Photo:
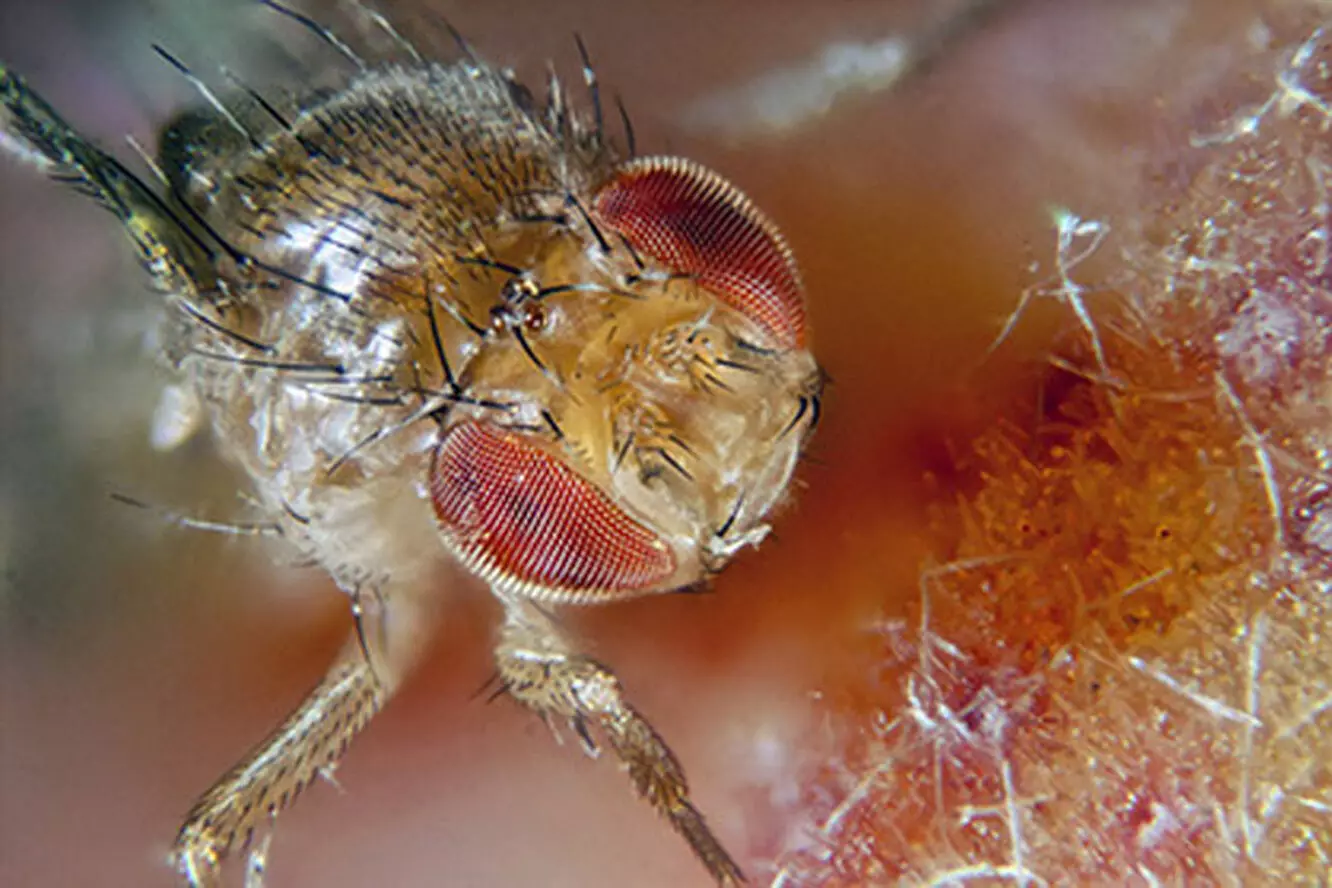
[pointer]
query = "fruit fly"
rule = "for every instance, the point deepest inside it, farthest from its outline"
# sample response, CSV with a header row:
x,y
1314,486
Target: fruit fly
x,y
430,315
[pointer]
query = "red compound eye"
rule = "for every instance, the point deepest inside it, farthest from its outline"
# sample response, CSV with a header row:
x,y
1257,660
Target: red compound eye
x,y
697,223
518,515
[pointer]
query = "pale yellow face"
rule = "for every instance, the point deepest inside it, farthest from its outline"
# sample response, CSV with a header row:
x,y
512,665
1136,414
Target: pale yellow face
x,y
655,354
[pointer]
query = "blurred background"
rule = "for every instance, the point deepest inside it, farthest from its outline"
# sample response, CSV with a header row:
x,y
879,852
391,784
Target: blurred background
x,y
138,660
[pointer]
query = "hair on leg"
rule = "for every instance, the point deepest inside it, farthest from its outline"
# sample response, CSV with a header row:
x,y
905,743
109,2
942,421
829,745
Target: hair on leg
x,y
539,669
381,652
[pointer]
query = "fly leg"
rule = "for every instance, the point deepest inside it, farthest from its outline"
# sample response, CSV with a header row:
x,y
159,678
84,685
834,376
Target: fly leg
x,y
540,670
309,743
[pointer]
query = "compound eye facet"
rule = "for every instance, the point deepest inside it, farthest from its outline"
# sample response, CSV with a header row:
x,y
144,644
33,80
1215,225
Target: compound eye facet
x,y
696,223
519,516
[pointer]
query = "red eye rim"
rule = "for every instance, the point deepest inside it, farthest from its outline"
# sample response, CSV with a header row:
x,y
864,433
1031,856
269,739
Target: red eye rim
x,y
521,518
696,223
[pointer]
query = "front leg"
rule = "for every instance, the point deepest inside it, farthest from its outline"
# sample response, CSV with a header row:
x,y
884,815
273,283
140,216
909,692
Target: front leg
x,y
380,653
541,671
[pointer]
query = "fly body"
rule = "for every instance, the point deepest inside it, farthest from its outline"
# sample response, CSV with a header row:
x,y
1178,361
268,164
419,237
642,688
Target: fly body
x,y
431,316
